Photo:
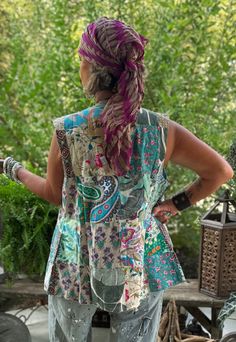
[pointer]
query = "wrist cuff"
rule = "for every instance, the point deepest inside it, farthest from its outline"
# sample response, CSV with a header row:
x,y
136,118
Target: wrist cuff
x,y
181,201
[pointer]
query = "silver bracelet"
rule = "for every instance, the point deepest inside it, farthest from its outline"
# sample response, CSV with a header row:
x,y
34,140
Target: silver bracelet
x,y
11,168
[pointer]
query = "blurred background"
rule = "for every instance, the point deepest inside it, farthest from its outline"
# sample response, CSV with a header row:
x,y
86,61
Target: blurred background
x,y
191,74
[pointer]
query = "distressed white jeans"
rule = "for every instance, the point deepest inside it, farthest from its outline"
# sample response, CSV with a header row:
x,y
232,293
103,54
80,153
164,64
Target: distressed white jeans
x,y
70,321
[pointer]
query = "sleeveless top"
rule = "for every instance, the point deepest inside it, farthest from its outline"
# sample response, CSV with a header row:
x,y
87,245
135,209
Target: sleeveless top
x,y
107,248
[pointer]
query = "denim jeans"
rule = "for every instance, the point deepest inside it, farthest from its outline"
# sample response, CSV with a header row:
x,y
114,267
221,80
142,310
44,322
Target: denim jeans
x,y
70,321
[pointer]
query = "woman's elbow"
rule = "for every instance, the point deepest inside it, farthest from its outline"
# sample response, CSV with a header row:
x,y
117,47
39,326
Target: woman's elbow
x,y
230,173
226,172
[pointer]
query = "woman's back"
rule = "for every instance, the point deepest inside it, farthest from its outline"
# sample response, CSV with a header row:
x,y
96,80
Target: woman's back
x,y
108,248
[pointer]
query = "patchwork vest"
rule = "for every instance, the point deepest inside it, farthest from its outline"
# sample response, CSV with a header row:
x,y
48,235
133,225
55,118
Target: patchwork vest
x,y
107,248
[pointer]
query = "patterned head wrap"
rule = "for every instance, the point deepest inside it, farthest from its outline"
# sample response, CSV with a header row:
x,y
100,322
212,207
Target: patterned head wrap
x,y
119,48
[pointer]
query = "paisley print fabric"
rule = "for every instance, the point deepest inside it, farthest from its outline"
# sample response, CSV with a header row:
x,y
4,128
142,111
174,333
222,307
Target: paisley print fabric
x,y
107,248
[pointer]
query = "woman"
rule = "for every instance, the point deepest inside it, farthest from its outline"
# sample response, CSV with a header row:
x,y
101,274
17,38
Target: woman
x,y
106,171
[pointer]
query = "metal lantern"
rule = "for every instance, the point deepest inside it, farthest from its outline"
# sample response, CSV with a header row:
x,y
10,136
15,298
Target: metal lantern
x,y
218,249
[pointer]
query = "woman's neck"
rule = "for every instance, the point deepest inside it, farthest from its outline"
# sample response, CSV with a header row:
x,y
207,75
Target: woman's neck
x,y
103,95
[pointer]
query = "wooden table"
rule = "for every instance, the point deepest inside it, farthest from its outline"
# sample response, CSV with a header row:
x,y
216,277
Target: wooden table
x,y
188,296
24,293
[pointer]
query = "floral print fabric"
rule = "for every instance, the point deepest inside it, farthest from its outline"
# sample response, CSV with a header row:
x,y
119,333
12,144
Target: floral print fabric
x,y
107,248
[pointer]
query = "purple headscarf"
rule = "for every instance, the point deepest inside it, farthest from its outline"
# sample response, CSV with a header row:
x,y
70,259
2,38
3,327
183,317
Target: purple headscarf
x,y
119,48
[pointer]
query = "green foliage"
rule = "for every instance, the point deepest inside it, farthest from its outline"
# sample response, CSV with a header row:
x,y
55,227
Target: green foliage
x,y
232,160
232,156
28,223
190,61
191,75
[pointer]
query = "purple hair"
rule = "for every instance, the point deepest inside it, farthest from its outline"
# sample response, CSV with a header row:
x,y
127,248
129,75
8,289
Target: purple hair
x,y
119,48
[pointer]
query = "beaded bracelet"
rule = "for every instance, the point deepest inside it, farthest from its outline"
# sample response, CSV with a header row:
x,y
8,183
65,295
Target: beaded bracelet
x,y
181,201
11,168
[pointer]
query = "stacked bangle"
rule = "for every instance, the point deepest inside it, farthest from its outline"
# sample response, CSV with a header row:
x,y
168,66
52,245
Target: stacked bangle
x,y
181,201
11,168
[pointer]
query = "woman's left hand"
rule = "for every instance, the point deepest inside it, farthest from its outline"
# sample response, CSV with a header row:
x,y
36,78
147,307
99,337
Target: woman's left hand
x,y
164,211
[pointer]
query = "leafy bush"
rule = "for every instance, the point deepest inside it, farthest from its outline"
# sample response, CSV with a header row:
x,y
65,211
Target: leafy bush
x,y
232,160
27,223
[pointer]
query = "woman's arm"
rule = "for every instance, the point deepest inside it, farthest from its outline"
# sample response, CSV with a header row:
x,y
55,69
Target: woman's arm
x,y
50,189
185,149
